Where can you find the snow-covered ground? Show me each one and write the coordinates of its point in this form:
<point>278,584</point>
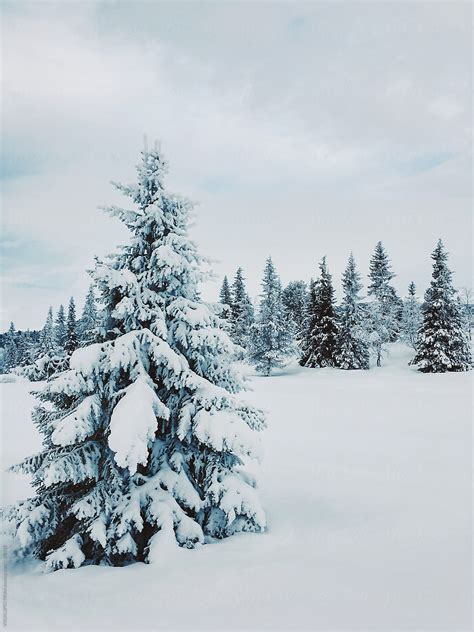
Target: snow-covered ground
<point>367,486</point>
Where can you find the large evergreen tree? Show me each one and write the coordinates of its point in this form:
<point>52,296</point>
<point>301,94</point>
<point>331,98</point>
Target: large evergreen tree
<point>352,350</point>
<point>390,305</point>
<point>272,343</point>
<point>319,348</point>
<point>144,442</point>
<point>442,343</point>
<point>411,317</point>
<point>89,320</point>
<point>242,312</point>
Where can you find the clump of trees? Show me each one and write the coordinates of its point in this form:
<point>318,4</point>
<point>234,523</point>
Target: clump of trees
<point>38,355</point>
<point>304,321</point>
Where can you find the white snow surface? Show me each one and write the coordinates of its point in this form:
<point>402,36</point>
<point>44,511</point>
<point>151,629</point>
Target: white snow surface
<point>366,483</point>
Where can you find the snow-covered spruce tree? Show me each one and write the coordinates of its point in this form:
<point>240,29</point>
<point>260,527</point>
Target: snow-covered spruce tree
<point>442,343</point>
<point>24,350</point>
<point>295,297</point>
<point>47,343</point>
<point>242,316</point>
<point>319,348</point>
<point>225,298</point>
<point>10,359</point>
<point>144,441</point>
<point>89,320</point>
<point>310,324</point>
<point>352,350</point>
<point>272,343</point>
<point>71,343</point>
<point>60,329</point>
<point>411,317</point>
<point>390,308</point>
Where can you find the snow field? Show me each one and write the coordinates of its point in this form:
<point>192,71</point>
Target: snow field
<point>366,483</point>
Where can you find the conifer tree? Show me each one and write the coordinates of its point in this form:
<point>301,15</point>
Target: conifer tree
<point>310,325</point>
<point>390,305</point>
<point>272,343</point>
<point>24,350</point>
<point>145,443</point>
<point>47,339</point>
<point>242,316</point>
<point>71,333</point>
<point>295,297</point>
<point>89,320</point>
<point>442,343</point>
<point>411,317</point>
<point>352,350</point>
<point>320,340</point>
<point>225,297</point>
<point>60,330</point>
<point>10,360</point>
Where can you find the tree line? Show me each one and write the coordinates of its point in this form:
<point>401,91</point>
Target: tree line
<point>38,355</point>
<point>304,320</point>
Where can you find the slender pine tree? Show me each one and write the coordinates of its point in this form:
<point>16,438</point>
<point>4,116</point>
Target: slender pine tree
<point>352,350</point>
<point>144,441</point>
<point>442,343</point>
<point>320,341</point>
<point>11,354</point>
<point>411,317</point>
<point>242,316</point>
<point>310,325</point>
<point>60,329</point>
<point>295,297</point>
<point>47,343</point>
<point>272,342</point>
<point>390,305</point>
<point>89,320</point>
<point>71,343</point>
<point>225,298</point>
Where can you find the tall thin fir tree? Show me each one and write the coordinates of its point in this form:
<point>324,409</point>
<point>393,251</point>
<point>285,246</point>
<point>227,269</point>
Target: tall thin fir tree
<point>295,297</point>
<point>24,350</point>
<point>352,349</point>
<point>87,326</point>
<point>390,305</point>
<point>319,348</point>
<point>71,343</point>
<point>47,345</point>
<point>11,356</point>
<point>442,343</point>
<point>310,324</point>
<point>225,298</point>
<point>272,343</point>
<point>411,317</point>
<point>60,328</point>
<point>242,316</point>
<point>145,442</point>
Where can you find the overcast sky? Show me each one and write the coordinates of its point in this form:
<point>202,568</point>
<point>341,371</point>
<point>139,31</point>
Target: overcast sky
<point>301,129</point>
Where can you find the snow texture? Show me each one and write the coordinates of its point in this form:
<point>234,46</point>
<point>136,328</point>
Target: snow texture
<point>369,520</point>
